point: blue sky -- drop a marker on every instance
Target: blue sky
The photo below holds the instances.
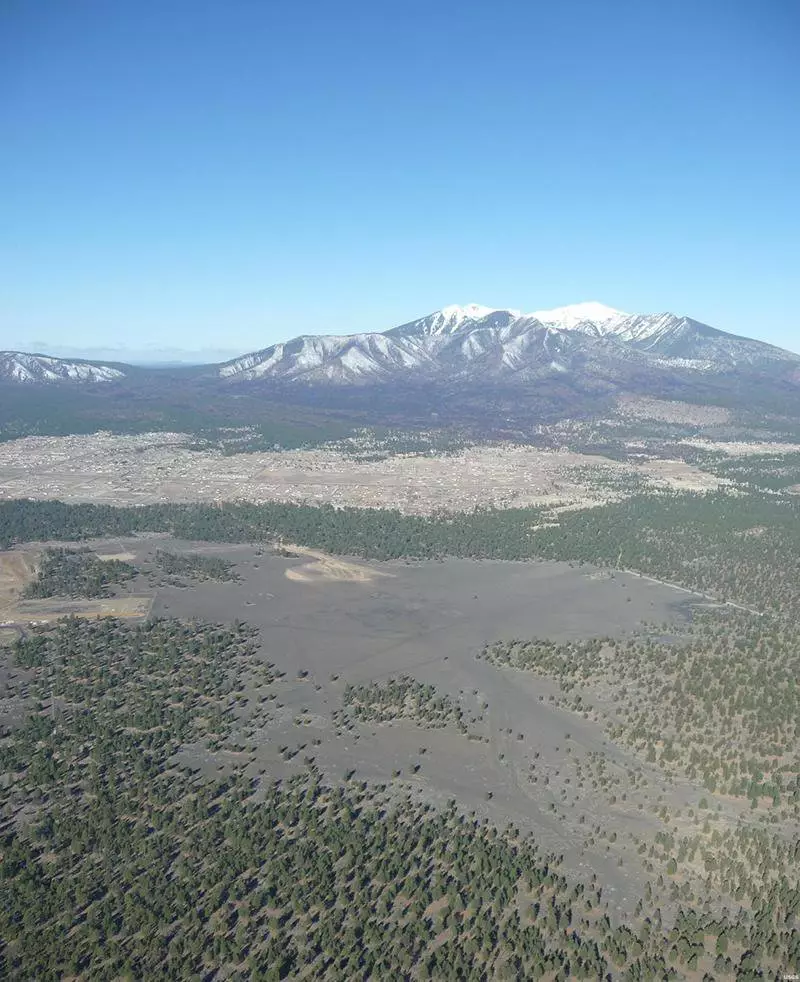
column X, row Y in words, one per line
column 224, row 175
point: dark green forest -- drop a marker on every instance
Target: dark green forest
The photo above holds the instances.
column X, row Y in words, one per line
column 76, row 573
column 129, row 865
column 194, row 566
column 720, row 704
column 743, row 547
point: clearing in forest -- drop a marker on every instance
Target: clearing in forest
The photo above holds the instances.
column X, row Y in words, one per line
column 323, row 568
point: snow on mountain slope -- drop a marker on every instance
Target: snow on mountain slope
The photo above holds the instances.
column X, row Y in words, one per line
column 17, row 366
column 482, row 343
column 685, row 340
column 586, row 347
column 454, row 318
column 499, row 344
column 347, row 358
column 650, row 329
column 597, row 316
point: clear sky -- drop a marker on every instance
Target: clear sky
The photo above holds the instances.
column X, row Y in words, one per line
column 228, row 174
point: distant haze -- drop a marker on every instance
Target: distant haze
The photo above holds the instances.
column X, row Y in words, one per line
column 131, row 356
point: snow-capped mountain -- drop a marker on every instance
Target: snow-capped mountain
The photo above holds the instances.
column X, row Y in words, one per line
column 681, row 338
column 454, row 318
column 487, row 343
column 472, row 344
column 590, row 317
column 332, row 358
column 17, row 366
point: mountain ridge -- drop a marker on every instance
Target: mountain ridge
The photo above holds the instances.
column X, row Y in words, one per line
column 27, row 367
column 470, row 343
column 472, row 340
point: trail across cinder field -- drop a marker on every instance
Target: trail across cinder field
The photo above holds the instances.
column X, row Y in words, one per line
column 324, row 568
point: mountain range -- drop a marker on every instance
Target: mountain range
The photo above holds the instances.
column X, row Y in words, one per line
column 483, row 343
column 470, row 343
column 20, row 366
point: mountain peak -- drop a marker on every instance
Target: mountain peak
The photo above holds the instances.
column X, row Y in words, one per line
column 450, row 319
column 479, row 343
column 455, row 314
column 474, row 311
column 590, row 311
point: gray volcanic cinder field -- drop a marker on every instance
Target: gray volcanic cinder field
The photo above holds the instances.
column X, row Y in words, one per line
column 379, row 672
column 409, row 615
column 520, row 757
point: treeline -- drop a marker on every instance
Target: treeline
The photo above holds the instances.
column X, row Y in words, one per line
column 370, row 533
column 734, row 546
column 721, row 706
